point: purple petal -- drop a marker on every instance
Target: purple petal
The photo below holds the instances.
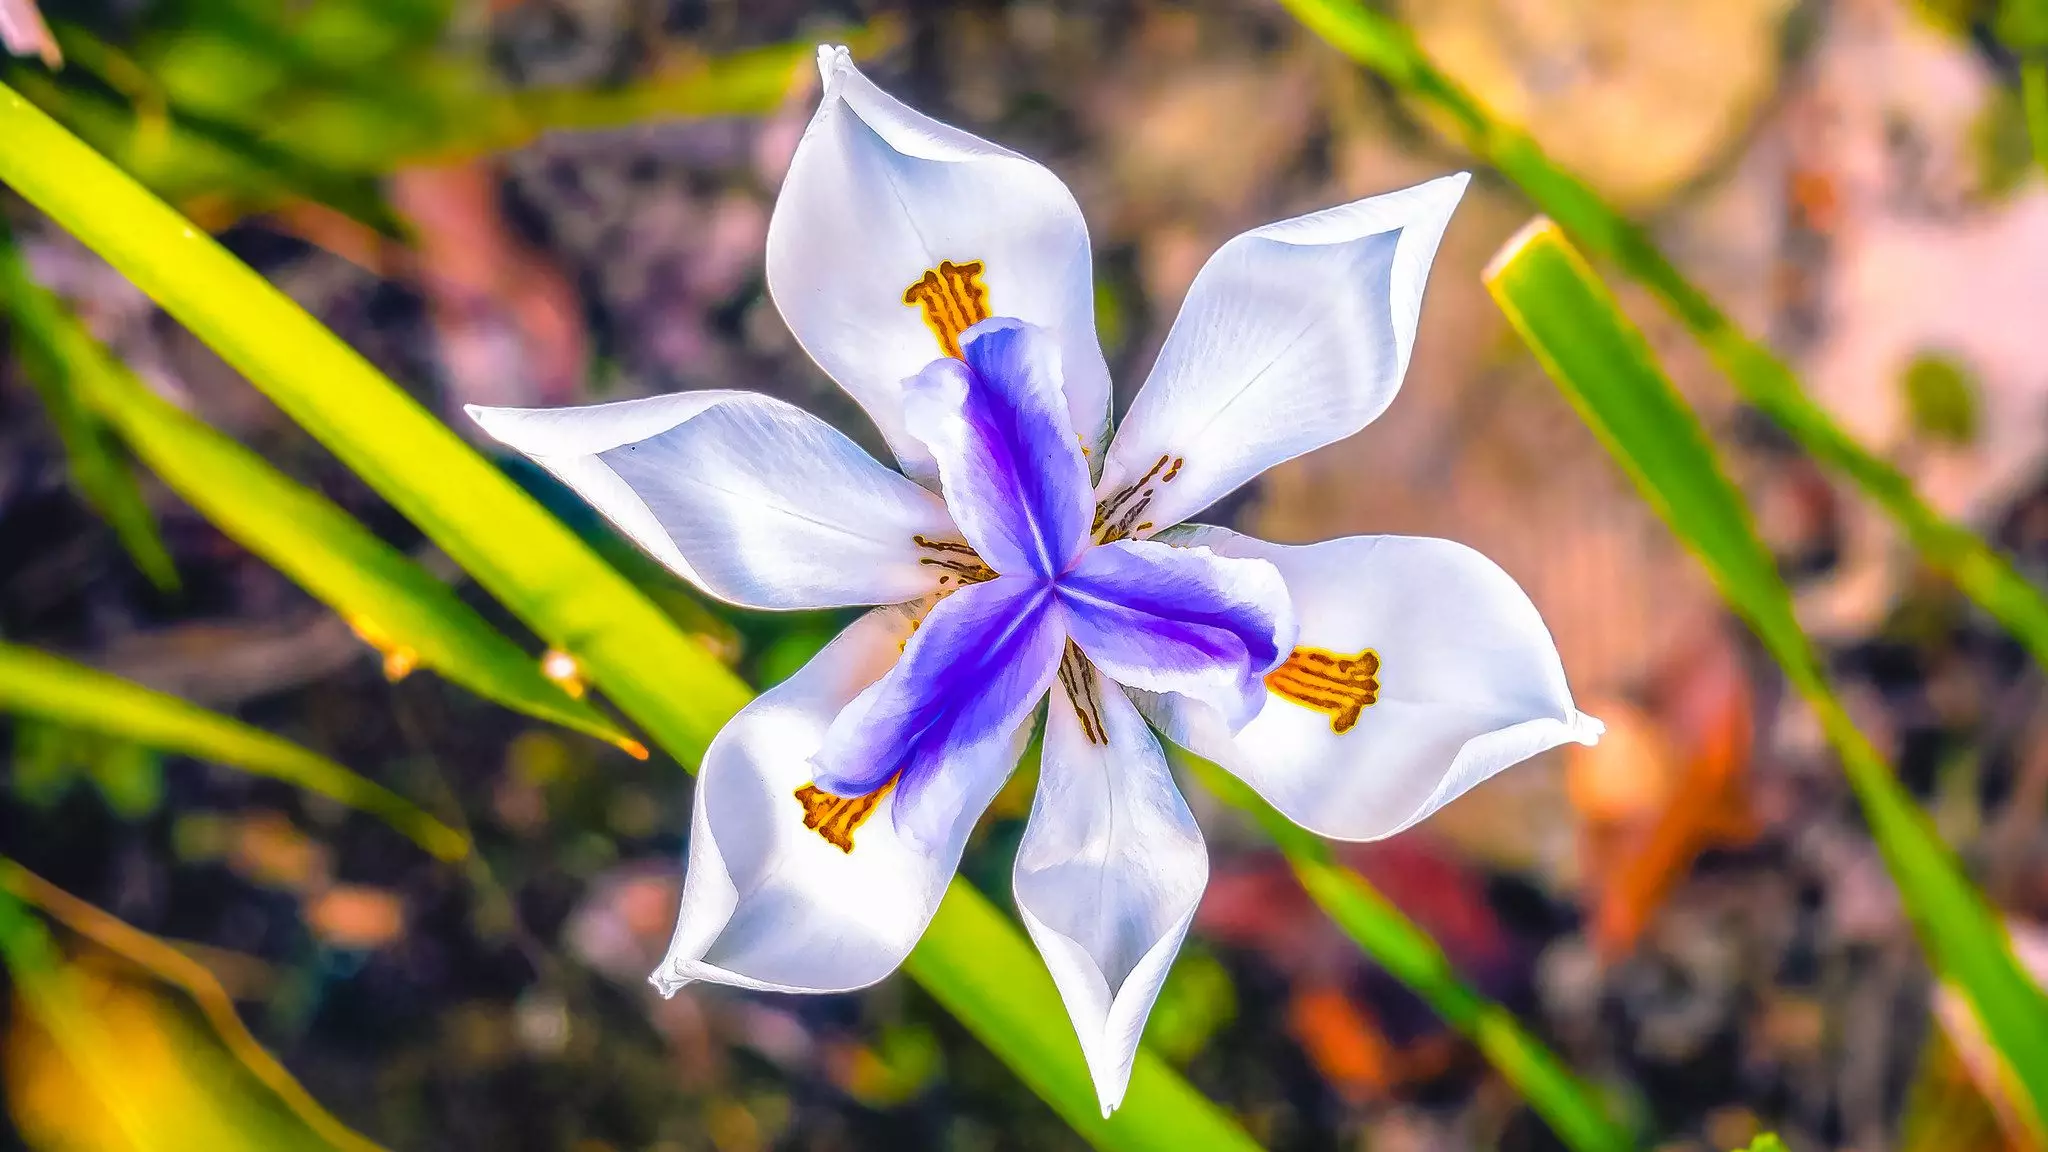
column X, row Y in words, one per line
column 943, row 723
column 1184, row 620
column 996, row 422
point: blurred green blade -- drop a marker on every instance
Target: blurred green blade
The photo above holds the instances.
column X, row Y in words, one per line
column 495, row 531
column 534, row 564
column 746, row 83
column 1764, row 380
column 1605, row 367
column 225, row 1082
column 192, row 161
column 43, row 986
column 381, row 592
column 2034, row 105
column 57, row 690
column 1569, row 1105
column 103, row 478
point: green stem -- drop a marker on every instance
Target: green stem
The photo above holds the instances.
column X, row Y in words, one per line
column 1569, row 1105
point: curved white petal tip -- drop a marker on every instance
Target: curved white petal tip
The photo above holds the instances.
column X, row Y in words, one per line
column 1586, row 729
column 832, row 58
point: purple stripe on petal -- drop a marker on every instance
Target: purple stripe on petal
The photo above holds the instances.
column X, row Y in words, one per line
column 996, row 421
column 1167, row 619
column 943, row 723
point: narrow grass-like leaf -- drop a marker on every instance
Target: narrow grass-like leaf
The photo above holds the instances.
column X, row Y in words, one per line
column 746, row 83
column 1604, row 366
column 57, row 690
column 45, row 989
column 1569, row 1105
column 976, row 961
column 101, row 475
column 189, row 976
column 2022, row 26
column 2034, row 106
column 1379, row 42
column 482, row 520
column 385, row 595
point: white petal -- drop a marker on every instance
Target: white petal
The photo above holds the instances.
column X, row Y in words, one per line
column 877, row 195
column 1293, row 336
column 1109, row 872
column 753, row 500
column 1469, row 682
column 769, row 904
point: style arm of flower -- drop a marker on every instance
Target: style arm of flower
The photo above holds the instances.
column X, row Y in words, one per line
column 1026, row 555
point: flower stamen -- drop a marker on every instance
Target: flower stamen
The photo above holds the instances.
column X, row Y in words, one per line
column 836, row 818
column 953, row 298
column 965, row 565
column 1128, row 503
column 1077, row 676
column 1343, row 686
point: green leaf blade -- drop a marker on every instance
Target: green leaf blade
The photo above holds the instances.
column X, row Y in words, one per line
column 326, row 551
column 524, row 556
column 63, row 692
column 1570, row 1106
column 102, row 477
column 1560, row 308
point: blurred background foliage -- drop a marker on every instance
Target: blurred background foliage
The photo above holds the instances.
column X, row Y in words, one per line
column 1824, row 225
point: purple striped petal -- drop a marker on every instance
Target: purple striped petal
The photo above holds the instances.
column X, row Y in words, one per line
column 1166, row 619
column 996, row 421
column 944, row 723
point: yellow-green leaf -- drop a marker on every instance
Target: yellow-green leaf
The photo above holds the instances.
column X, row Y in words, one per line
column 1604, row 366
column 387, row 597
column 102, row 477
column 1570, row 1106
column 58, row 690
column 219, row 1091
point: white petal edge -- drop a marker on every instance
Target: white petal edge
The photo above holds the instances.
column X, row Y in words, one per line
column 1470, row 683
column 1293, row 336
column 877, row 193
column 1109, row 874
column 768, row 904
column 753, row 500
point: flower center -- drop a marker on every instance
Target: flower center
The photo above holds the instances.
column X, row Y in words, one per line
column 1343, row 686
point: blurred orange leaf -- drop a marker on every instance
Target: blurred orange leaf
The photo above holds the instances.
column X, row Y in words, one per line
column 1692, row 747
column 355, row 916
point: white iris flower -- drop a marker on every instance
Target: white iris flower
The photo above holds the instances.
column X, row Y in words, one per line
column 1024, row 552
